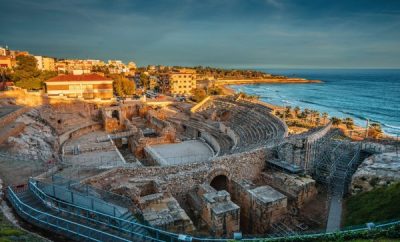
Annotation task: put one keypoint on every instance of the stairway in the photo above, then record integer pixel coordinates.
(79, 223)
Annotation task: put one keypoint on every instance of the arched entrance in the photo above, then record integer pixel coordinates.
(220, 182)
(115, 114)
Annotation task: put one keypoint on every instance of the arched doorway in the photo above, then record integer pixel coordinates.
(220, 182)
(115, 114)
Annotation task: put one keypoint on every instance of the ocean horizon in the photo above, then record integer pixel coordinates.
(357, 93)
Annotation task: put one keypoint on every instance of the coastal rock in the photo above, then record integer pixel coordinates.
(376, 170)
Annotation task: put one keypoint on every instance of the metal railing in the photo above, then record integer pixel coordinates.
(80, 231)
(57, 224)
(102, 219)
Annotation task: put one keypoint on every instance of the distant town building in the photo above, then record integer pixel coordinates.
(45, 63)
(117, 67)
(87, 86)
(7, 62)
(178, 81)
(3, 51)
(132, 65)
(153, 82)
(78, 66)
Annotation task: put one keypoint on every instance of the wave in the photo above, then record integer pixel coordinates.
(392, 126)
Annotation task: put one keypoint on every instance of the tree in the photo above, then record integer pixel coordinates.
(198, 94)
(324, 117)
(288, 111)
(123, 86)
(375, 130)
(144, 81)
(296, 111)
(27, 76)
(336, 121)
(349, 122)
(215, 91)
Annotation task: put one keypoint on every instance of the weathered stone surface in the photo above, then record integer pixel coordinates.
(376, 170)
(299, 189)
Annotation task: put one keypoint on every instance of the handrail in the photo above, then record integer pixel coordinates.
(36, 189)
(19, 204)
(103, 214)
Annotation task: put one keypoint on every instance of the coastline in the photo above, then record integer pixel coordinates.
(224, 84)
(265, 81)
(227, 90)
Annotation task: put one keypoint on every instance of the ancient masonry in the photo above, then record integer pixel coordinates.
(223, 166)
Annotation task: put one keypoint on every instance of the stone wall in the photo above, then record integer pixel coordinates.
(11, 117)
(179, 179)
(260, 207)
(300, 190)
(302, 149)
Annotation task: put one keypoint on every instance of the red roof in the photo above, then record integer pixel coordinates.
(84, 77)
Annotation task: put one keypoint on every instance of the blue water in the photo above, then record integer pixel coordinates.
(360, 94)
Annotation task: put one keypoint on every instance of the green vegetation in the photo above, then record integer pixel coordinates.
(198, 94)
(377, 205)
(144, 81)
(214, 91)
(123, 86)
(27, 76)
(336, 121)
(375, 130)
(228, 73)
(8, 232)
(389, 234)
(247, 96)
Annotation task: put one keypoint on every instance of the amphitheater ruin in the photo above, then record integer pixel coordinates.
(224, 168)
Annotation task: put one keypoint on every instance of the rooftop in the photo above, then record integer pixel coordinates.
(84, 77)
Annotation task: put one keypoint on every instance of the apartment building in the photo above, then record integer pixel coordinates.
(87, 86)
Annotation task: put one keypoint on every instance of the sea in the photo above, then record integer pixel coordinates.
(361, 94)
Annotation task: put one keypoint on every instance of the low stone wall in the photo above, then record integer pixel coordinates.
(11, 117)
(228, 131)
(78, 132)
(200, 104)
(211, 141)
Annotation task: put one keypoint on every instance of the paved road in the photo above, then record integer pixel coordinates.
(335, 214)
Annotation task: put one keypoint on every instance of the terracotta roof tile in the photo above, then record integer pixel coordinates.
(84, 77)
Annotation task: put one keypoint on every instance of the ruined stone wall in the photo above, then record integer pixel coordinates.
(302, 149)
(11, 117)
(179, 179)
(300, 190)
(256, 215)
(79, 131)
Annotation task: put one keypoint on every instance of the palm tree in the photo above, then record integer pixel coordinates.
(349, 122)
(296, 111)
(324, 117)
(336, 121)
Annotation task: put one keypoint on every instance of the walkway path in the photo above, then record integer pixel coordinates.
(335, 214)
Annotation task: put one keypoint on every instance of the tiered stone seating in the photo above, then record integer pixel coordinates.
(252, 122)
(224, 141)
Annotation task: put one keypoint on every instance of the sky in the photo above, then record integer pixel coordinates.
(223, 33)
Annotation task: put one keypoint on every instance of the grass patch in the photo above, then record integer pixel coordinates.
(8, 232)
(377, 205)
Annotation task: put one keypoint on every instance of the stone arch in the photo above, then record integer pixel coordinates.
(219, 179)
(115, 114)
(220, 182)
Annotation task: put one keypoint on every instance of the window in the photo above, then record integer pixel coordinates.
(74, 87)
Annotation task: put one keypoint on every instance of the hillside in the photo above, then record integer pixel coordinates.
(376, 205)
